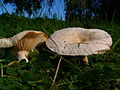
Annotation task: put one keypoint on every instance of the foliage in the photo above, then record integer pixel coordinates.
(102, 73)
(27, 6)
(74, 9)
(81, 9)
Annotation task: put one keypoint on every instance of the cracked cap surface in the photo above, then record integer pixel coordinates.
(79, 41)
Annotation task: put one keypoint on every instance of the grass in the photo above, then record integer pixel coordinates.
(102, 73)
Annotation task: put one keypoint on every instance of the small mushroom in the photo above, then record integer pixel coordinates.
(79, 42)
(24, 42)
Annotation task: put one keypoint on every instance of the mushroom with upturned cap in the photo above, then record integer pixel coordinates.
(79, 42)
(24, 42)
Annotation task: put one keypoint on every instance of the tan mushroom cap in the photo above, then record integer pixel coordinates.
(79, 41)
(20, 35)
(10, 42)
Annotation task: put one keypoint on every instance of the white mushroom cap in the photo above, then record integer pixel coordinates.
(5, 43)
(79, 41)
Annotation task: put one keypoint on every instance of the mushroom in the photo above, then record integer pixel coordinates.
(79, 42)
(24, 42)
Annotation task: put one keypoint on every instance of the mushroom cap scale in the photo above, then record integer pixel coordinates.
(79, 41)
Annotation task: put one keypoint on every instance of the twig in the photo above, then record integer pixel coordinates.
(56, 71)
(1, 71)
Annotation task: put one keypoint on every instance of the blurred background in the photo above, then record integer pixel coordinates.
(62, 9)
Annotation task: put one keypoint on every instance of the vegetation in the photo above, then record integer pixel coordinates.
(102, 73)
(105, 9)
(79, 9)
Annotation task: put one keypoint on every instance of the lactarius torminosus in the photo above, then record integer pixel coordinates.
(24, 42)
(79, 42)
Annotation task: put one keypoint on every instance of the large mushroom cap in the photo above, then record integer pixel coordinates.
(79, 41)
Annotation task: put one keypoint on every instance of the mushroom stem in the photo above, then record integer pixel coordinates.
(22, 55)
(85, 60)
(56, 71)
